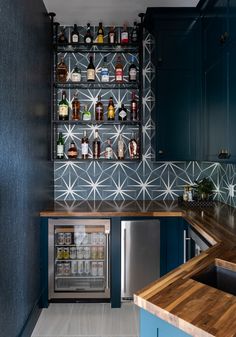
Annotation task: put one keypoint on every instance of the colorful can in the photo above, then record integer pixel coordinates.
(67, 268)
(100, 269)
(68, 238)
(73, 253)
(86, 252)
(80, 253)
(100, 252)
(87, 267)
(94, 268)
(74, 267)
(60, 253)
(60, 238)
(94, 253)
(66, 254)
(80, 267)
(60, 268)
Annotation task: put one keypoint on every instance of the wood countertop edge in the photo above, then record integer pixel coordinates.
(111, 214)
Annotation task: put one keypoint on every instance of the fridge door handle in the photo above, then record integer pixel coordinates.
(186, 239)
(107, 261)
(124, 260)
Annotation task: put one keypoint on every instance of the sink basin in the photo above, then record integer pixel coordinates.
(218, 277)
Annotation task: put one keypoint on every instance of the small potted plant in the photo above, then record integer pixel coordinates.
(204, 189)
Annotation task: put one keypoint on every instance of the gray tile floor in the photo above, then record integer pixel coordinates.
(88, 320)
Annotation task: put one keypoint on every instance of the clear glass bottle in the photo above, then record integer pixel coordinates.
(72, 151)
(105, 71)
(132, 71)
(133, 108)
(76, 75)
(124, 38)
(88, 38)
(84, 146)
(121, 148)
(111, 110)
(100, 34)
(99, 110)
(86, 116)
(62, 71)
(122, 113)
(96, 146)
(63, 112)
(133, 147)
(91, 70)
(75, 108)
(119, 72)
(134, 33)
(74, 36)
(108, 150)
(60, 146)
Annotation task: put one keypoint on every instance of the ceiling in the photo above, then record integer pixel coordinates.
(110, 12)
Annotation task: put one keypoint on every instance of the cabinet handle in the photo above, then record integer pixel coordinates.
(224, 154)
(160, 152)
(186, 239)
(224, 37)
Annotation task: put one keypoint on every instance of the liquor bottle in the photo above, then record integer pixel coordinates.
(124, 38)
(74, 37)
(62, 37)
(112, 35)
(122, 113)
(84, 146)
(119, 70)
(108, 150)
(100, 34)
(72, 151)
(132, 71)
(99, 110)
(121, 148)
(111, 110)
(75, 108)
(60, 146)
(63, 108)
(133, 108)
(133, 147)
(134, 33)
(96, 146)
(76, 75)
(88, 38)
(91, 70)
(62, 71)
(86, 116)
(104, 71)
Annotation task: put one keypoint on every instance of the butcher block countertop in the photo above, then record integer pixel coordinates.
(191, 306)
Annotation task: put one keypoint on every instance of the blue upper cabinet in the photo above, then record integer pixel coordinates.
(178, 81)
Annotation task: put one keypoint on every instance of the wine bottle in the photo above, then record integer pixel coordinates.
(112, 35)
(133, 147)
(72, 151)
(62, 71)
(63, 108)
(124, 35)
(86, 116)
(91, 70)
(99, 110)
(60, 146)
(108, 150)
(134, 33)
(121, 148)
(119, 70)
(132, 71)
(76, 75)
(104, 71)
(122, 113)
(84, 146)
(62, 37)
(96, 146)
(88, 38)
(74, 37)
(133, 108)
(75, 108)
(111, 110)
(100, 34)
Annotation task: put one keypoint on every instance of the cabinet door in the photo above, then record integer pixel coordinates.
(232, 103)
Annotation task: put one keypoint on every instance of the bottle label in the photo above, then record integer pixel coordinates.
(84, 148)
(111, 112)
(100, 38)
(120, 149)
(76, 77)
(112, 38)
(133, 74)
(104, 75)
(88, 39)
(99, 113)
(124, 37)
(86, 116)
(122, 114)
(63, 110)
(108, 153)
(91, 74)
(75, 38)
(119, 75)
(60, 150)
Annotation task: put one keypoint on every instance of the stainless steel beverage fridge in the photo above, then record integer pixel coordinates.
(79, 258)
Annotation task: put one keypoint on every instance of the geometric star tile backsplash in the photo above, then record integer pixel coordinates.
(139, 180)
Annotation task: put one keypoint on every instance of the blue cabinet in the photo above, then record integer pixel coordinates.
(152, 326)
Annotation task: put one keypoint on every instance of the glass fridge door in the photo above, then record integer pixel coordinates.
(80, 258)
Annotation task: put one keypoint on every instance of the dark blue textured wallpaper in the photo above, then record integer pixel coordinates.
(26, 175)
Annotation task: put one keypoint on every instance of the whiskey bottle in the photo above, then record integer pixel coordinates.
(75, 108)
(133, 108)
(108, 150)
(99, 110)
(134, 33)
(74, 37)
(84, 146)
(76, 75)
(86, 116)
(72, 151)
(104, 71)
(63, 108)
(88, 38)
(100, 34)
(119, 70)
(62, 39)
(62, 71)
(132, 71)
(91, 70)
(124, 38)
(60, 146)
(111, 110)
(112, 35)
(122, 113)
(133, 147)
(96, 146)
(120, 148)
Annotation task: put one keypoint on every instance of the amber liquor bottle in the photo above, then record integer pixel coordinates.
(133, 108)
(62, 71)
(91, 70)
(99, 110)
(72, 151)
(111, 110)
(119, 72)
(75, 108)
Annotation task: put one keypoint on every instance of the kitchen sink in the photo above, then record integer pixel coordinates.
(218, 277)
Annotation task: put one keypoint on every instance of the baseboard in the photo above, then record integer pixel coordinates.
(31, 321)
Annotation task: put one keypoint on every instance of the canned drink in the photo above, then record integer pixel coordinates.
(73, 253)
(85, 239)
(94, 239)
(80, 253)
(78, 238)
(66, 254)
(100, 253)
(100, 268)
(60, 268)
(80, 267)
(67, 268)
(86, 252)
(94, 253)
(87, 267)
(101, 238)
(60, 238)
(94, 268)
(74, 267)
(60, 253)
(67, 238)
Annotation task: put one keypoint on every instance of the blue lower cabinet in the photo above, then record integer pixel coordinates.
(152, 326)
